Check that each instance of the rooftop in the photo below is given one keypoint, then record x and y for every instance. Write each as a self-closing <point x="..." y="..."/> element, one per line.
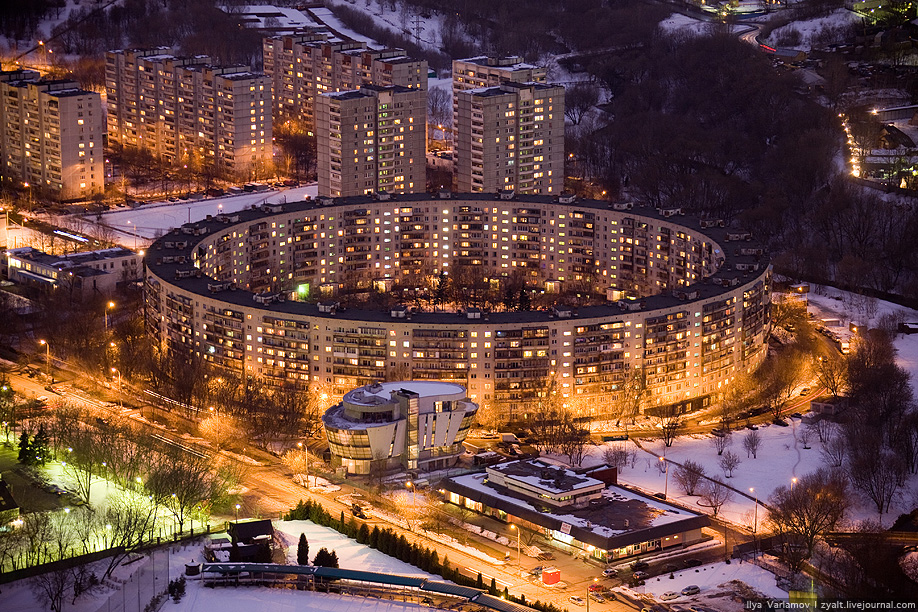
<point x="728" y="271"/>
<point x="71" y="260"/>
<point x="381" y="393"/>
<point x="621" y="517"/>
<point x="545" y="475"/>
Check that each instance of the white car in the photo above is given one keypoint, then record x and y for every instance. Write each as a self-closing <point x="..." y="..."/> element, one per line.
<point x="691" y="590"/>
<point x="669" y="595"/>
<point x="576" y="600"/>
<point x="610" y="572"/>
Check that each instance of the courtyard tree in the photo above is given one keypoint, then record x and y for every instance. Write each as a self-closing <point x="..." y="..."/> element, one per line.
<point x="690" y="476"/>
<point x="714" y="494"/>
<point x="811" y="508"/>
<point x="669" y="419"/>
<point x="832" y="373"/>
<point x="721" y="442"/>
<point x="729" y="461"/>
<point x="752" y="441"/>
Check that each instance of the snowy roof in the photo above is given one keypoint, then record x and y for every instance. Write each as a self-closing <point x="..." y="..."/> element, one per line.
<point x="623" y="517"/>
<point x="381" y="393"/>
<point x="543" y="475"/>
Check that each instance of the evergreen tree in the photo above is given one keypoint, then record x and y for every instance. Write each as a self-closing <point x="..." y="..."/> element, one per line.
<point x="341" y="522"/>
<point x="25" y="449"/>
<point x="493" y="588"/>
<point x="525" y="300"/>
<point x="373" y="540"/>
<point x="41" y="453"/>
<point x="403" y="551"/>
<point x="325" y="559"/>
<point x="434" y="562"/>
<point x="414" y="557"/>
<point x="479" y="582"/>
<point x="363" y="534"/>
<point x="302" y="550"/>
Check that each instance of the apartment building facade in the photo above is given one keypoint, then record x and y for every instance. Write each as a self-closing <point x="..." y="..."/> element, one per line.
<point x="186" y="111"/>
<point x="52" y="135"/>
<point x="303" y="66"/>
<point x="371" y="140"/>
<point x="223" y="288"/>
<point x="510" y="137"/>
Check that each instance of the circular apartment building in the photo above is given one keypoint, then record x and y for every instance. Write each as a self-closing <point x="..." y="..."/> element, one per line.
<point x="687" y="303"/>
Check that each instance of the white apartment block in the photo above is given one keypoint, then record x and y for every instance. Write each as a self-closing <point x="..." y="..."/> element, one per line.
<point x="303" y="66"/>
<point x="52" y="135"/>
<point x="186" y="111"/>
<point x="510" y="137"/>
<point x="483" y="71"/>
<point x="371" y="140"/>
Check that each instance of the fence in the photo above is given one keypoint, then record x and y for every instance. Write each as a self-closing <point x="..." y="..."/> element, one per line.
<point x="137" y="592"/>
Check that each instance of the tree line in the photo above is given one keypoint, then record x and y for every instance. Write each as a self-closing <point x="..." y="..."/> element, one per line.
<point x="387" y="541"/>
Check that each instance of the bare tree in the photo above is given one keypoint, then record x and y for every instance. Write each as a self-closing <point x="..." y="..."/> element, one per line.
<point x="832" y="373"/>
<point x="834" y="450"/>
<point x="669" y="420"/>
<point x="51" y="587"/>
<point x="722" y="442"/>
<point x="805" y="435"/>
<point x="715" y="494"/>
<point x="579" y="98"/>
<point x="824" y="428"/>
<point x="615" y="456"/>
<point x="876" y="471"/>
<point x="689" y="476"/>
<point x="729" y="461"/>
<point x="778" y="378"/>
<point x="182" y="482"/>
<point x="752" y="441"/>
<point x="440" y="110"/>
<point x="573" y="441"/>
<point x="128" y="523"/>
<point x="809" y="509"/>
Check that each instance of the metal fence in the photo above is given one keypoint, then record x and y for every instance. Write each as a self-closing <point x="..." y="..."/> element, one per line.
<point x="137" y="592"/>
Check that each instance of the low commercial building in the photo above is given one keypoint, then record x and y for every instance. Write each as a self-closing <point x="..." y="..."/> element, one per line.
<point x="414" y="425"/>
<point x="576" y="512"/>
<point x="84" y="274"/>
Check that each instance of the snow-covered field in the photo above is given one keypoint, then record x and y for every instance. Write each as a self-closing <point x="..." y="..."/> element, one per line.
<point x="351" y="555"/>
<point x="133" y="226"/>
<point x="259" y="599"/>
<point x="710" y="578"/>
<point x="19" y="597"/>
<point x="782" y="455"/>
<point x="683" y="24"/>
<point x="809" y="29"/>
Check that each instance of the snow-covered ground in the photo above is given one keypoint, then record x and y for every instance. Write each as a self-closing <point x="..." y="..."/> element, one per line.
<point x="713" y="581"/>
<point x="351" y="555"/>
<point x="136" y="227"/>
<point x="683" y="24"/>
<point x="809" y="29"/>
<point x="782" y="455"/>
<point x="404" y="19"/>
<point x="18" y="596"/>
<point x="259" y="599"/>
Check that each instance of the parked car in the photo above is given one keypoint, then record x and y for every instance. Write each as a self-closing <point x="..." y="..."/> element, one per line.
<point x="596" y="588"/>
<point x="691" y="562"/>
<point x="546" y="556"/>
<point x="796" y="415"/>
<point x="804" y="391"/>
<point x="720" y="433"/>
<point x="669" y="568"/>
<point x="536" y="571"/>
<point x="669" y="595"/>
<point x="640" y="565"/>
<point x="609" y="594"/>
<point x="577" y="600"/>
<point x="610" y="572"/>
<point x="597" y="598"/>
<point x="640" y="575"/>
<point x="692" y="589"/>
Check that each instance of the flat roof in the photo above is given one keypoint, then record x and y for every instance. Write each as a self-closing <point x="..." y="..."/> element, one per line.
<point x="544" y="475"/>
<point x="623" y="517"/>
<point x="381" y="393"/>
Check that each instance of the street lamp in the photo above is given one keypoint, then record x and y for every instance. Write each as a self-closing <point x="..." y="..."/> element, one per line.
<point x="755" y="519"/>
<point x="793" y="481"/>
<point x="107" y="307"/>
<point x="237" y="512"/>
<point x="518" y="556"/>
<point x="595" y="580"/>
<point x="666" y="480"/>
<point x="47" y="346"/>
<point x="120" y="391"/>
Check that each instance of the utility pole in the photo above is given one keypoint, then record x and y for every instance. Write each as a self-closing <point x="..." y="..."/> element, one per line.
<point x="417" y="30"/>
